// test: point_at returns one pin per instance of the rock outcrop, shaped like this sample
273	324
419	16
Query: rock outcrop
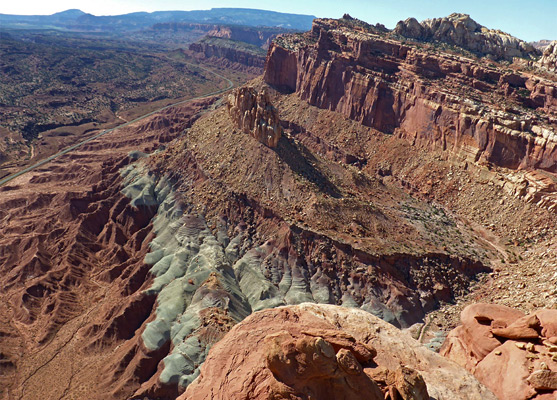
253	113
461	30
548	60
436	99
326	352
513	354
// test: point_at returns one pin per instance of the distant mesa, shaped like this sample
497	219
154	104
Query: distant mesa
74	12
541	44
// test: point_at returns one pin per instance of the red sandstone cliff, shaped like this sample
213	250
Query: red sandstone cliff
231	51
258	37
431	98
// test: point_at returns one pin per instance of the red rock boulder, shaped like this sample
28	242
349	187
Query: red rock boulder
325	352
511	353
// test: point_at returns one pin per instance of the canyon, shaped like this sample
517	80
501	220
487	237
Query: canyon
316	230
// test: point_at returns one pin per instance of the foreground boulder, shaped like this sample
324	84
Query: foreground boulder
513	354
326	352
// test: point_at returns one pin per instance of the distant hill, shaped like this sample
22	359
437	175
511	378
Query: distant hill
79	21
541	44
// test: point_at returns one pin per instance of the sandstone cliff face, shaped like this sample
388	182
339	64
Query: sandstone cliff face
431	98
513	354
549	58
224	50
242	45
461	30
257	37
326	352
253	113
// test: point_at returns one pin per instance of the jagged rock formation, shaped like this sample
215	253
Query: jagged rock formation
461	30
253	113
513	354
454	103
549	58
326	352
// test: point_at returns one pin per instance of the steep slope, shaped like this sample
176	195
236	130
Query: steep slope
474	110
71	260
248	227
549	58
228	242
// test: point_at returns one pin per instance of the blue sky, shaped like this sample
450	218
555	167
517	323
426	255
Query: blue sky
526	19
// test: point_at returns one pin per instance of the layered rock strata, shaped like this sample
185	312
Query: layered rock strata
258	37
461	30
513	354
436	99
206	282
231	51
326	352
253	113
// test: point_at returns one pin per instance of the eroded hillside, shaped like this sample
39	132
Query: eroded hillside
359	171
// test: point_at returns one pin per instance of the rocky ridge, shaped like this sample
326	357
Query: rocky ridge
249	56
73	276
237	44
258	37
461	30
224	248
